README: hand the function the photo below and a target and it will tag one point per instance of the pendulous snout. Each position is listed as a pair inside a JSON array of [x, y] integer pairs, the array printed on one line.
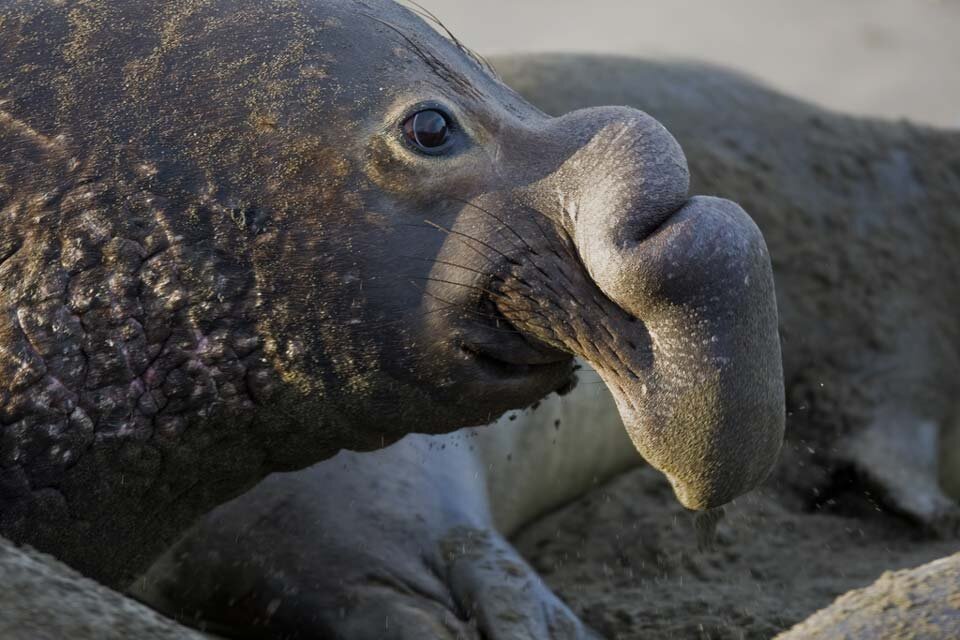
[[702, 285], [676, 311]]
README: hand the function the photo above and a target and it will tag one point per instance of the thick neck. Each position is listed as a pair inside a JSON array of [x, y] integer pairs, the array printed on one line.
[[130, 369]]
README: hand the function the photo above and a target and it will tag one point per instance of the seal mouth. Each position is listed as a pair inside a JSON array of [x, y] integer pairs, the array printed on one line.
[[509, 352]]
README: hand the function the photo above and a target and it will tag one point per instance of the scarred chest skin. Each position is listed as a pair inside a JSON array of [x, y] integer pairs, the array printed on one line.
[[141, 334], [118, 334]]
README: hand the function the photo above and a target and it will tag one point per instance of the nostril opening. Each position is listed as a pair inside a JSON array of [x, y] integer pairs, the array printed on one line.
[[652, 219], [651, 222]]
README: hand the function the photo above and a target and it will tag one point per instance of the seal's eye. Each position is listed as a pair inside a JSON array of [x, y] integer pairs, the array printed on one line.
[[427, 130]]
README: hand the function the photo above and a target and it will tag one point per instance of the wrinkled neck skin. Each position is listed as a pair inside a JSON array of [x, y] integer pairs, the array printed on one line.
[[137, 362], [849, 206], [149, 370], [169, 330]]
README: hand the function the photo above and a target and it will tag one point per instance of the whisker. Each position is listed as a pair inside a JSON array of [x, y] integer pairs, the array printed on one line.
[[461, 284], [454, 264], [498, 219], [481, 314], [436, 64], [560, 236], [546, 236], [512, 261], [487, 259], [385, 279], [423, 12], [406, 317], [502, 294]]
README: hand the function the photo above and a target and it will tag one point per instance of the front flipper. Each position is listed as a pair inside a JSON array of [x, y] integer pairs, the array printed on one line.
[[498, 589], [395, 544], [902, 454]]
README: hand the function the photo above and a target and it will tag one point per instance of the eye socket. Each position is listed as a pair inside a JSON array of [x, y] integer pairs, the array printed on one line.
[[427, 130]]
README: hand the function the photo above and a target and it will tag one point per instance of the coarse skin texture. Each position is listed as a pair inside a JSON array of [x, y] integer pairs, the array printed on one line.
[[219, 258]]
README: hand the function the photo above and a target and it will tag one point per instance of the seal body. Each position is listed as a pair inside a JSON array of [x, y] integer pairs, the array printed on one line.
[[238, 237]]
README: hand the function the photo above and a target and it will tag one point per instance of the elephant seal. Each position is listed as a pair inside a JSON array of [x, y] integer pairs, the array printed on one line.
[[238, 237], [860, 216]]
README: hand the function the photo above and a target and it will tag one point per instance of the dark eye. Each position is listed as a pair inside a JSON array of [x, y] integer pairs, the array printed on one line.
[[427, 130]]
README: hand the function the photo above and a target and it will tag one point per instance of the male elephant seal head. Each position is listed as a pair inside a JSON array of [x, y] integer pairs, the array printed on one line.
[[520, 240], [426, 250]]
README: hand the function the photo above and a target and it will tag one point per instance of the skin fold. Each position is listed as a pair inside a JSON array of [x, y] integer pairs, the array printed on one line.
[[860, 216], [222, 256]]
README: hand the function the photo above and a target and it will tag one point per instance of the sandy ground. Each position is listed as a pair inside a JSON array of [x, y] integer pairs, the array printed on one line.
[[626, 558], [895, 58]]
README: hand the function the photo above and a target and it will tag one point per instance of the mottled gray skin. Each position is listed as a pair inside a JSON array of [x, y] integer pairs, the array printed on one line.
[[219, 258], [863, 218]]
